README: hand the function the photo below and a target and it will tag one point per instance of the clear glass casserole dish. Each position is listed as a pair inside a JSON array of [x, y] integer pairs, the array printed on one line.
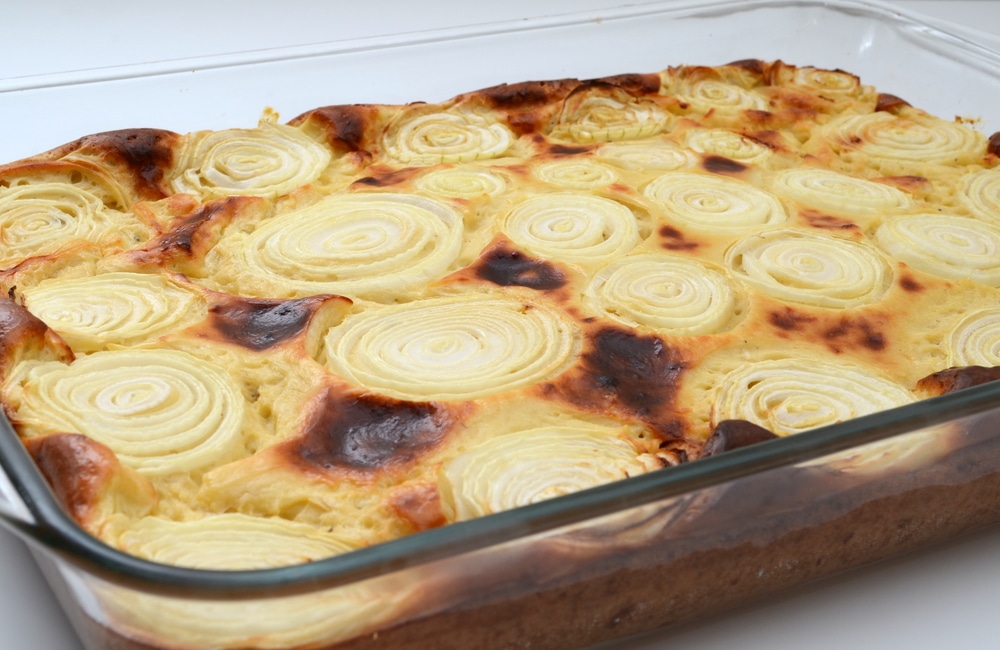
[[649, 551]]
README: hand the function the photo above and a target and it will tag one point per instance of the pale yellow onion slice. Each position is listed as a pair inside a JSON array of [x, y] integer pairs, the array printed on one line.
[[980, 193], [356, 245], [572, 227], [120, 308], [229, 541], [160, 411], [313, 620], [603, 119], [575, 174], [829, 190], [884, 135], [788, 396], [451, 348], [648, 155], [826, 82], [678, 295], [975, 340], [944, 245], [466, 182], [421, 138], [810, 268], [40, 218], [517, 469], [268, 161], [705, 95], [726, 143], [714, 203]]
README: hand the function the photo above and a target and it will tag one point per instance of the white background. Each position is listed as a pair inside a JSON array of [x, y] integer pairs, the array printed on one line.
[[942, 597]]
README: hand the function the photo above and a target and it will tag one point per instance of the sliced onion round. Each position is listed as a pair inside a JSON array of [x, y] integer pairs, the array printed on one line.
[[975, 340], [268, 161], [422, 138], [451, 348], [714, 203], [677, 295], [356, 245], [946, 246], [647, 155], [121, 308], [160, 411], [980, 193], [884, 135], [576, 174], [572, 227], [229, 542], [517, 469], [466, 182], [726, 143], [602, 118], [40, 218], [829, 190], [812, 269], [788, 396]]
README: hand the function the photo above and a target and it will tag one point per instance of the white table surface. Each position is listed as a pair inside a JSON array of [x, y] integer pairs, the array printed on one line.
[[938, 598]]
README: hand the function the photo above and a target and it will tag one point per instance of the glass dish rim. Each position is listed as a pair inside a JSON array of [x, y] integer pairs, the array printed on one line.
[[54, 532]]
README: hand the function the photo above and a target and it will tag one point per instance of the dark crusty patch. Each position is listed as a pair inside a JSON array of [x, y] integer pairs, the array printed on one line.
[[258, 323], [952, 379], [78, 469], [624, 373], [368, 432]]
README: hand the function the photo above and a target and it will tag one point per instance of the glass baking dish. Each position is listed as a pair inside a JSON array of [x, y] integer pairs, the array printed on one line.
[[643, 553]]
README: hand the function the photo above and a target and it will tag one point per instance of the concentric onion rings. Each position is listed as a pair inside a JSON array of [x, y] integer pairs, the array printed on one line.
[[788, 396], [159, 411], [451, 348], [40, 218], [120, 308], [572, 227], [356, 245], [975, 339], [714, 203], [944, 245], [670, 293], [810, 268], [517, 469], [268, 161]]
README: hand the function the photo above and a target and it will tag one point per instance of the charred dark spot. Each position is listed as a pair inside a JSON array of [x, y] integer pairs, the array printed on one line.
[[346, 126], [527, 94], [860, 330], [676, 240], [509, 267], [624, 372], [259, 324], [753, 65], [568, 150], [733, 434], [890, 103], [368, 432], [635, 84], [788, 319], [993, 144], [386, 177], [952, 379], [147, 152], [184, 230], [722, 165], [827, 222], [909, 284]]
